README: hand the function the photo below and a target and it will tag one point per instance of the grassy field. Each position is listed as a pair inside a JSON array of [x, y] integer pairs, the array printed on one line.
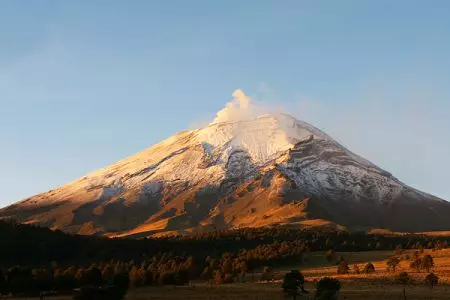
[[379, 285], [267, 291]]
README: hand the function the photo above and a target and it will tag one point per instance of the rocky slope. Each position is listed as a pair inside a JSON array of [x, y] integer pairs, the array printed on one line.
[[245, 169]]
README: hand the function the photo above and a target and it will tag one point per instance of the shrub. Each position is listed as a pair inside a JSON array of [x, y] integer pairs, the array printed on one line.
[[109, 292], [369, 268], [403, 278], [431, 280], [343, 268], [267, 274], [327, 288]]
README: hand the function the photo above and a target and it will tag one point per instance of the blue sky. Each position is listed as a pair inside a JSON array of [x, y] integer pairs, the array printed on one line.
[[83, 84]]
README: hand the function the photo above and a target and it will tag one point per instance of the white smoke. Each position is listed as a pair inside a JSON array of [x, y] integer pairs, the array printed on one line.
[[240, 108]]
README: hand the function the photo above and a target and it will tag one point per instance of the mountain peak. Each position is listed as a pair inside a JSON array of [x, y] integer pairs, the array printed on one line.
[[261, 132], [249, 167]]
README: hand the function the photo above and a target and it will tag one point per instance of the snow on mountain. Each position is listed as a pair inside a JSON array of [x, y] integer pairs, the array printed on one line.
[[248, 167]]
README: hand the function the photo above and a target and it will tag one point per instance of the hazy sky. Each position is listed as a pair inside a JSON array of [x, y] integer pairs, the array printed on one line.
[[83, 84]]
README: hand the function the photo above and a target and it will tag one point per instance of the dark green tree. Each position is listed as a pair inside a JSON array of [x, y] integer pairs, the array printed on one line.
[[292, 282], [327, 288], [432, 280]]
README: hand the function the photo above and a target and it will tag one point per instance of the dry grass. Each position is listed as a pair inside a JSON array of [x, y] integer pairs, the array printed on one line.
[[379, 259], [379, 285], [272, 291]]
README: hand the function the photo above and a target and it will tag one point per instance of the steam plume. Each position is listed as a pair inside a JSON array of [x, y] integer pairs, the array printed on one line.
[[241, 108]]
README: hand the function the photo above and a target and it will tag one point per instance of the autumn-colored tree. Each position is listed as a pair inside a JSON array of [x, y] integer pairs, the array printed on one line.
[[427, 263], [416, 264], [108, 273], [356, 269], [190, 266], [392, 263], [218, 278], [438, 245], [137, 276]]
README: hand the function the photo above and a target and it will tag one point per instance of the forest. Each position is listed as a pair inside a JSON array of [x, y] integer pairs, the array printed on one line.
[[34, 260]]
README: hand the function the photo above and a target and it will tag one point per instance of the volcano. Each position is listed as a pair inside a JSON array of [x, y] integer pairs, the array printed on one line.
[[247, 168]]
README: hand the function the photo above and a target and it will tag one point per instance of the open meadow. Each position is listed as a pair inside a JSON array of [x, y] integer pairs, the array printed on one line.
[[382, 284]]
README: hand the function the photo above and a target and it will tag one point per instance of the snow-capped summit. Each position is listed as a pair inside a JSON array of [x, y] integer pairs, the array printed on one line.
[[249, 167]]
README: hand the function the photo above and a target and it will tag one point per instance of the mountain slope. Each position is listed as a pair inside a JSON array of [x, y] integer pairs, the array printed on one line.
[[245, 169]]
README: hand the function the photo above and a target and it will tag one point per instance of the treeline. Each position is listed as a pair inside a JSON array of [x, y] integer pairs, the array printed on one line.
[[160, 270], [34, 259], [35, 246]]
